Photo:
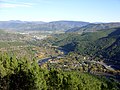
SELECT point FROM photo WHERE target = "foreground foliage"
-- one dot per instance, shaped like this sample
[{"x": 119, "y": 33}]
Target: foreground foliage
[{"x": 22, "y": 74}]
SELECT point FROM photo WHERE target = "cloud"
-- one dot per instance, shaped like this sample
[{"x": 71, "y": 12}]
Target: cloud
[
  {"x": 4, "y": 4},
  {"x": 3, "y": 0},
  {"x": 14, "y": 5}
]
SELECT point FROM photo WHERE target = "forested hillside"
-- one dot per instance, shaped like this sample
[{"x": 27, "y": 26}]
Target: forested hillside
[
  {"x": 23, "y": 74},
  {"x": 94, "y": 27},
  {"x": 103, "y": 43},
  {"x": 67, "y": 61}
]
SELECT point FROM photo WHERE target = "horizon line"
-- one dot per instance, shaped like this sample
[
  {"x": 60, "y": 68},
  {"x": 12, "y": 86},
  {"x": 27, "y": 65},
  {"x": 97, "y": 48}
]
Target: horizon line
[{"x": 61, "y": 20}]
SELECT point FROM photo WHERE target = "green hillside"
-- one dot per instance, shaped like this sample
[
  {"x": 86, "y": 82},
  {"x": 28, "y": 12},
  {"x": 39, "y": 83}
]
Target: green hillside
[
  {"x": 94, "y": 27},
  {"x": 103, "y": 43},
  {"x": 23, "y": 74},
  {"x": 27, "y": 63}
]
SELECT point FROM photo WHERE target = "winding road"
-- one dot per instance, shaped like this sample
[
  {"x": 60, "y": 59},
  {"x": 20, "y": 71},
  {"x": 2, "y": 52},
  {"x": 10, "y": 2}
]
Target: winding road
[{"x": 44, "y": 60}]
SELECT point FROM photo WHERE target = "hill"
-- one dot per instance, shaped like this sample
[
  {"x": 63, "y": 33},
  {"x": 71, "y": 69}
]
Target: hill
[
  {"x": 41, "y": 26},
  {"x": 104, "y": 44},
  {"x": 22, "y": 74},
  {"x": 94, "y": 27}
]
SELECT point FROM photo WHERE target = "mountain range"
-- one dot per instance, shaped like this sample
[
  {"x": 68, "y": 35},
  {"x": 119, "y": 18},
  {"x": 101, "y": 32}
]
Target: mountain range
[
  {"x": 64, "y": 26},
  {"x": 40, "y": 26},
  {"x": 94, "y": 27}
]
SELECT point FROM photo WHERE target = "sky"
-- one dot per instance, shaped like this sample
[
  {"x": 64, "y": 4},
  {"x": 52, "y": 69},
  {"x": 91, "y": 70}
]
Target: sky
[{"x": 54, "y": 10}]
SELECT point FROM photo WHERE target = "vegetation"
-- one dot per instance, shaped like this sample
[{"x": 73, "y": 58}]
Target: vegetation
[
  {"x": 21, "y": 73},
  {"x": 94, "y": 27},
  {"x": 93, "y": 44},
  {"x": 68, "y": 61}
]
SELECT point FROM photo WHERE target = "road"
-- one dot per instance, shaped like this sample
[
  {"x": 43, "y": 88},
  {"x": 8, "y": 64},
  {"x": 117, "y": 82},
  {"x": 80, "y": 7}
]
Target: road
[{"x": 44, "y": 60}]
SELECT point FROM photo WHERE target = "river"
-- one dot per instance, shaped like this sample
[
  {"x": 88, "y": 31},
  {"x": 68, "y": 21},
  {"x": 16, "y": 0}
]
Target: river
[{"x": 44, "y": 60}]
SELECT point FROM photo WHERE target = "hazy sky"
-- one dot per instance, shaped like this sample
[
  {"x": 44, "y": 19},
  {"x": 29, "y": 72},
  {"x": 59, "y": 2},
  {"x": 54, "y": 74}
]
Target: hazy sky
[{"x": 53, "y": 10}]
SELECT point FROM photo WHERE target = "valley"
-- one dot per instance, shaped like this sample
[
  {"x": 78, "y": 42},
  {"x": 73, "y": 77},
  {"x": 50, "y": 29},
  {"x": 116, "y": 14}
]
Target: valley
[{"x": 88, "y": 49}]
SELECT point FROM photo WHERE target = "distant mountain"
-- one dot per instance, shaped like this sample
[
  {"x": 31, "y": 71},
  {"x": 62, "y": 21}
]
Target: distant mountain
[
  {"x": 94, "y": 27},
  {"x": 50, "y": 26},
  {"x": 18, "y": 25},
  {"x": 21, "y": 22}
]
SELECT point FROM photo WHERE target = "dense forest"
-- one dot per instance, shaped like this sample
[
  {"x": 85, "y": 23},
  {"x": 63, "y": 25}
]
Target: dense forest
[
  {"x": 23, "y": 74},
  {"x": 103, "y": 43}
]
